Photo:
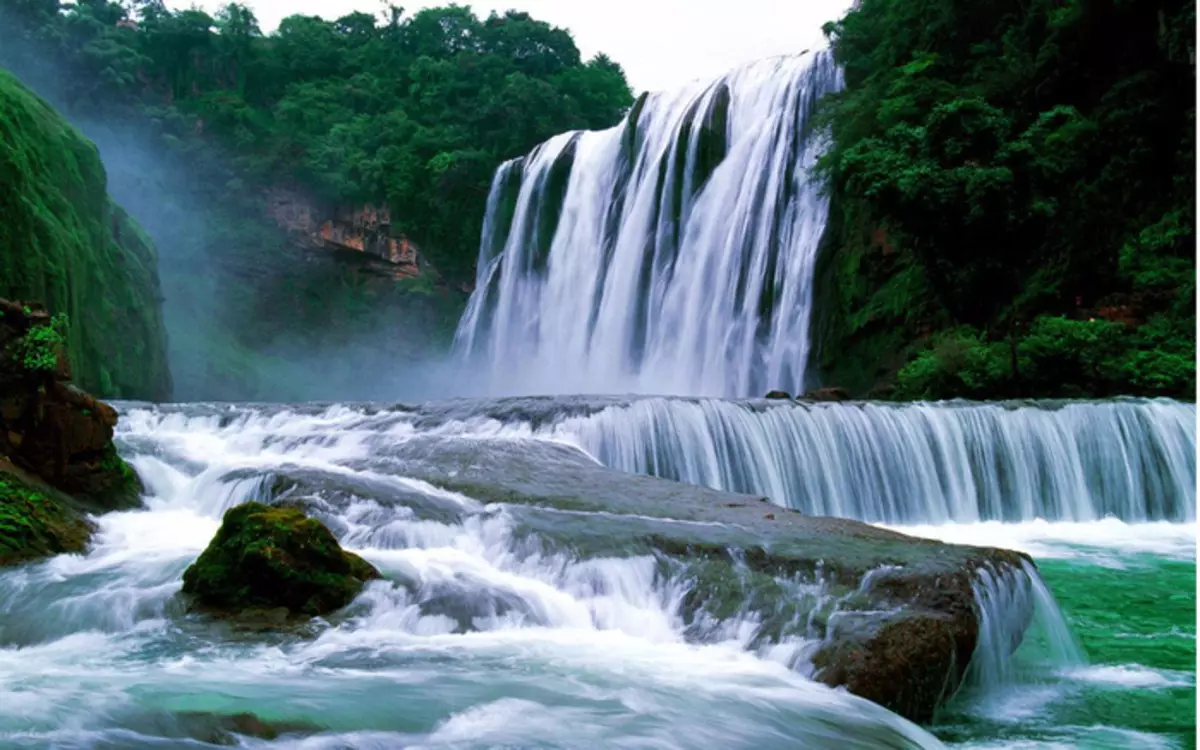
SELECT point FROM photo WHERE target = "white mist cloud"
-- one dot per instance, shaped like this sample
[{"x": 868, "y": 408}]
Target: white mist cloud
[{"x": 661, "y": 43}]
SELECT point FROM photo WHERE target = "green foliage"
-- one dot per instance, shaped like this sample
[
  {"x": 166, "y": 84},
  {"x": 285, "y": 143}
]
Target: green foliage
[
  {"x": 265, "y": 557},
  {"x": 415, "y": 111},
  {"x": 1056, "y": 358},
  {"x": 39, "y": 349},
  {"x": 63, "y": 243},
  {"x": 409, "y": 111},
  {"x": 33, "y": 524},
  {"x": 1028, "y": 163}
]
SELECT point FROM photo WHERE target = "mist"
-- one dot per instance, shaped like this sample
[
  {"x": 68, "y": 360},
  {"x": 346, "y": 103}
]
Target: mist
[{"x": 227, "y": 302}]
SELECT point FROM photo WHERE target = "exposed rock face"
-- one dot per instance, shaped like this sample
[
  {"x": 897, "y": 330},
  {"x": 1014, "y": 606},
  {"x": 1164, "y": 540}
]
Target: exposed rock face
[
  {"x": 897, "y": 621},
  {"x": 48, "y": 427},
  {"x": 270, "y": 557},
  {"x": 363, "y": 230}
]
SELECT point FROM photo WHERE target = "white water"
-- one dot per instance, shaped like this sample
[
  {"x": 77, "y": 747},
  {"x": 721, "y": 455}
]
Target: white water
[
  {"x": 915, "y": 463},
  {"x": 476, "y": 639},
  {"x": 1002, "y": 597},
  {"x": 627, "y": 262}
]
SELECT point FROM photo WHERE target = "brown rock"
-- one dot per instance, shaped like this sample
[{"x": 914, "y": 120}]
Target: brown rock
[
  {"x": 51, "y": 429},
  {"x": 783, "y": 395},
  {"x": 829, "y": 393}
]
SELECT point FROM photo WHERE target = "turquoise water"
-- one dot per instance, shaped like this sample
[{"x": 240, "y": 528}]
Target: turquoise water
[
  {"x": 560, "y": 652},
  {"x": 1128, "y": 593}
]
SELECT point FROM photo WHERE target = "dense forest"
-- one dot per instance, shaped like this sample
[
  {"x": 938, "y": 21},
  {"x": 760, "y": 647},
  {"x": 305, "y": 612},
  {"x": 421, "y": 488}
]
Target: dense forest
[
  {"x": 1012, "y": 183},
  {"x": 1013, "y": 188},
  {"x": 202, "y": 119}
]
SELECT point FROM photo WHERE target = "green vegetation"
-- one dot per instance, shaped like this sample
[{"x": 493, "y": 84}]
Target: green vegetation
[
  {"x": 63, "y": 243},
  {"x": 264, "y": 557},
  {"x": 207, "y": 120},
  {"x": 33, "y": 524},
  {"x": 39, "y": 349},
  {"x": 1012, "y": 200}
]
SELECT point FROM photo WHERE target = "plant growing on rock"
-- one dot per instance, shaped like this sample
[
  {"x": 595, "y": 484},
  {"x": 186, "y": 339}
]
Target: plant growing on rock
[{"x": 39, "y": 350}]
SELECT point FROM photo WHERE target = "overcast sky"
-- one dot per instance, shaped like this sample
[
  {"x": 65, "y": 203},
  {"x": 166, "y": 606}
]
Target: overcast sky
[{"x": 660, "y": 43}]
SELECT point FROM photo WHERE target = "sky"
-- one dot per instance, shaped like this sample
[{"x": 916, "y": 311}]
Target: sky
[{"x": 661, "y": 44}]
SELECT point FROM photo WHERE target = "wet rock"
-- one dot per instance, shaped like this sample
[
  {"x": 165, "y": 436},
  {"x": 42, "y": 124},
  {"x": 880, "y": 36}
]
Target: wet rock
[
  {"x": 830, "y": 393},
  {"x": 894, "y": 616},
  {"x": 224, "y": 729},
  {"x": 34, "y": 521},
  {"x": 780, "y": 395},
  {"x": 264, "y": 558}
]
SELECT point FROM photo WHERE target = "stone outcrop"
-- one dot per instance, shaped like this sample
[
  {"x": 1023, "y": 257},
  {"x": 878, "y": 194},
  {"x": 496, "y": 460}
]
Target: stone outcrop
[
  {"x": 57, "y": 459},
  {"x": 34, "y": 523},
  {"x": 265, "y": 558},
  {"x": 896, "y": 617},
  {"x": 48, "y": 427},
  {"x": 364, "y": 231}
]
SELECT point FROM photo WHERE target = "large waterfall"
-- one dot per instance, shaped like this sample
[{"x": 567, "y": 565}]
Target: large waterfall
[{"x": 671, "y": 254}]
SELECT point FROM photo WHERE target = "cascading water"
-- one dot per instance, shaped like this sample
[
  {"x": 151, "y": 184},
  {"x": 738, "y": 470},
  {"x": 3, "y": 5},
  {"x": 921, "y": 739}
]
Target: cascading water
[
  {"x": 480, "y": 638},
  {"x": 671, "y": 254},
  {"x": 482, "y": 635},
  {"x": 914, "y": 463}
]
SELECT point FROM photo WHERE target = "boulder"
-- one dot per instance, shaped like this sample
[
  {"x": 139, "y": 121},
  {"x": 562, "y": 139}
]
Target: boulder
[
  {"x": 894, "y": 617},
  {"x": 779, "y": 395},
  {"x": 265, "y": 558}
]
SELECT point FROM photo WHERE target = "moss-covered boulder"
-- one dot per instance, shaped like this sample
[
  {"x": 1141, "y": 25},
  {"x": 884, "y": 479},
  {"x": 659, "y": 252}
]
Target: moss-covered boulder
[
  {"x": 34, "y": 523},
  {"x": 63, "y": 242},
  {"x": 266, "y": 557}
]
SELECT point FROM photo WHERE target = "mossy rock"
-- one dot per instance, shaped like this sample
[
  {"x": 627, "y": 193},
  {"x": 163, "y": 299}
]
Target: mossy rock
[
  {"x": 266, "y": 557},
  {"x": 33, "y": 524}
]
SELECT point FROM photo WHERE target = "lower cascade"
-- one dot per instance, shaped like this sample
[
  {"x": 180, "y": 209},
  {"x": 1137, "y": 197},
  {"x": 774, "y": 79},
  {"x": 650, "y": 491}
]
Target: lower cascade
[
  {"x": 638, "y": 608},
  {"x": 915, "y": 463}
]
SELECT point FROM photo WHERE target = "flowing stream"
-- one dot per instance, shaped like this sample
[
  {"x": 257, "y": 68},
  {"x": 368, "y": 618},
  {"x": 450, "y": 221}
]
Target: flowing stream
[{"x": 556, "y": 651}]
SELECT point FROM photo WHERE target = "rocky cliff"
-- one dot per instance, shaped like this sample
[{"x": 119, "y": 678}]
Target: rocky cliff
[
  {"x": 362, "y": 233},
  {"x": 63, "y": 242},
  {"x": 57, "y": 459}
]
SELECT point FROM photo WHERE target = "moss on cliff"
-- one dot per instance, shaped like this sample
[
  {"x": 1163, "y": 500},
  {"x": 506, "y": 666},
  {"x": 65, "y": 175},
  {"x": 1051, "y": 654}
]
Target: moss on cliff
[
  {"x": 33, "y": 524},
  {"x": 63, "y": 242}
]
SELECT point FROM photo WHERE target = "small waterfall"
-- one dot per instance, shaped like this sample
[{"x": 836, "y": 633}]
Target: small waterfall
[
  {"x": 670, "y": 254},
  {"x": 1015, "y": 605},
  {"x": 915, "y": 463}
]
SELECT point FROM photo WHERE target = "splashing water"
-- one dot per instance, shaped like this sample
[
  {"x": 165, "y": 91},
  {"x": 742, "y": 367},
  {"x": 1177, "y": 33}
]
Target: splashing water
[{"x": 480, "y": 637}]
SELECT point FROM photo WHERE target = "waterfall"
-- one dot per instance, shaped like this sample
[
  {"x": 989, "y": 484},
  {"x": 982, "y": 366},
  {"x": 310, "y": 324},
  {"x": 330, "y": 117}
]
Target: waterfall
[
  {"x": 1008, "y": 601},
  {"x": 915, "y": 463},
  {"x": 670, "y": 254}
]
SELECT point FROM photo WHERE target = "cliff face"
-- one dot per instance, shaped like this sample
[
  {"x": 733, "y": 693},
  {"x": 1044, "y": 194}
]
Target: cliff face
[
  {"x": 57, "y": 458},
  {"x": 63, "y": 242},
  {"x": 348, "y": 230}
]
